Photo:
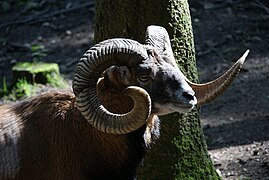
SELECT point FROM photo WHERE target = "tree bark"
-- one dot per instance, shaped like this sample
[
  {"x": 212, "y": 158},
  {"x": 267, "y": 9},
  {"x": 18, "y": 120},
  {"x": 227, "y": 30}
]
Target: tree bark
[{"x": 181, "y": 152}]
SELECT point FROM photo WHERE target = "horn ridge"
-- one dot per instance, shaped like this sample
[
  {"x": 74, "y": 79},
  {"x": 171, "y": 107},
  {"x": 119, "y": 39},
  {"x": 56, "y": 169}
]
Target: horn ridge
[{"x": 87, "y": 73}]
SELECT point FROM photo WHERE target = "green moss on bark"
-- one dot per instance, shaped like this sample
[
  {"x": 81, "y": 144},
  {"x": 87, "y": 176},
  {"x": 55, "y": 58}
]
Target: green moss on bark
[
  {"x": 193, "y": 161},
  {"x": 182, "y": 39}
]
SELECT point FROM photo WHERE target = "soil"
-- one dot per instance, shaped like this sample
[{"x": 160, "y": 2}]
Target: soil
[{"x": 236, "y": 125}]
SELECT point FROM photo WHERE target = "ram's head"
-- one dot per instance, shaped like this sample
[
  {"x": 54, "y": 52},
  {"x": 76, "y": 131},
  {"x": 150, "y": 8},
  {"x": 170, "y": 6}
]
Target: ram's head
[{"x": 146, "y": 73}]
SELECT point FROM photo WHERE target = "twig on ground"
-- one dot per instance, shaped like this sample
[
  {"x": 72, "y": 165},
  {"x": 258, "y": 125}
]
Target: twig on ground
[
  {"x": 262, "y": 6},
  {"x": 38, "y": 18}
]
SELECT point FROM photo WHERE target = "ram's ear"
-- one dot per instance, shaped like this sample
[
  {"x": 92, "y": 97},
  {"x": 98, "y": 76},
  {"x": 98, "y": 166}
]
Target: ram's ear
[
  {"x": 117, "y": 76},
  {"x": 125, "y": 75},
  {"x": 113, "y": 98}
]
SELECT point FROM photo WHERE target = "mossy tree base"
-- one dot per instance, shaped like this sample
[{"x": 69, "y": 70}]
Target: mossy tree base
[
  {"x": 29, "y": 77},
  {"x": 41, "y": 73}
]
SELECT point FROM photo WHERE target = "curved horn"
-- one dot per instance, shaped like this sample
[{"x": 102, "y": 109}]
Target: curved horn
[
  {"x": 88, "y": 71},
  {"x": 158, "y": 37},
  {"x": 209, "y": 91}
]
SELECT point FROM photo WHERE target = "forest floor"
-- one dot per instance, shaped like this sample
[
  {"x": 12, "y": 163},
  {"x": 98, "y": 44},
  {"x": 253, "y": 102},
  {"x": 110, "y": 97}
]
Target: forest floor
[{"x": 236, "y": 125}]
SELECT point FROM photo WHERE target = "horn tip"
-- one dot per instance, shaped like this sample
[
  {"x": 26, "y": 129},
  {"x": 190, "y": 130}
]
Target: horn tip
[{"x": 243, "y": 58}]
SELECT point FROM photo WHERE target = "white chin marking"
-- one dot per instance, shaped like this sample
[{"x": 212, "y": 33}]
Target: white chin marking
[{"x": 180, "y": 109}]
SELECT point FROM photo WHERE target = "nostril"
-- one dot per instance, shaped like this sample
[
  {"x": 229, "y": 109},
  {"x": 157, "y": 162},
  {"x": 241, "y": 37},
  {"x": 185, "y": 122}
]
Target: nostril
[{"x": 188, "y": 95}]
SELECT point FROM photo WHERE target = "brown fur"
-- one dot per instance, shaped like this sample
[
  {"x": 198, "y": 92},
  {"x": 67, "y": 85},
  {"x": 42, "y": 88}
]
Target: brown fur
[{"x": 56, "y": 142}]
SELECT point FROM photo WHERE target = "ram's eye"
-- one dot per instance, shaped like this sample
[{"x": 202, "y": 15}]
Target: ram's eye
[{"x": 143, "y": 78}]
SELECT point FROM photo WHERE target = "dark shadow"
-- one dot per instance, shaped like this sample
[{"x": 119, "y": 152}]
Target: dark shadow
[
  {"x": 240, "y": 115},
  {"x": 242, "y": 132}
]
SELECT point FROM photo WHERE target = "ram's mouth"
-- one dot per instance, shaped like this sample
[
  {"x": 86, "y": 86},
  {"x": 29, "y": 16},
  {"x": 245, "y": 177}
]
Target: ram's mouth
[
  {"x": 180, "y": 103},
  {"x": 181, "y": 108},
  {"x": 167, "y": 106},
  {"x": 184, "y": 103}
]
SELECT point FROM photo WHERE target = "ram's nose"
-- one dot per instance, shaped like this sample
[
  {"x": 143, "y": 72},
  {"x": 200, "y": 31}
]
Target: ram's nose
[{"x": 189, "y": 95}]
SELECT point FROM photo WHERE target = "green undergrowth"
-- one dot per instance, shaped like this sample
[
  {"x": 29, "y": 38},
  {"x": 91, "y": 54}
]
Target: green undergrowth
[
  {"x": 22, "y": 89},
  {"x": 30, "y": 79},
  {"x": 39, "y": 72}
]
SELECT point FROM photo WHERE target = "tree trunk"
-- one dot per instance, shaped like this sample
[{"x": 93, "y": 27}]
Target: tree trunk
[{"x": 181, "y": 152}]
